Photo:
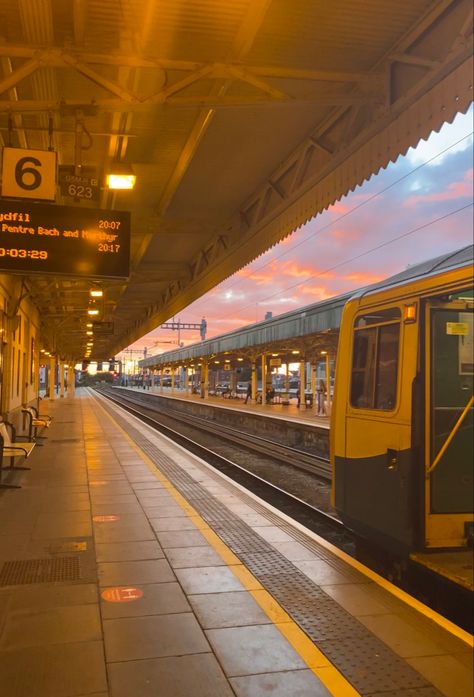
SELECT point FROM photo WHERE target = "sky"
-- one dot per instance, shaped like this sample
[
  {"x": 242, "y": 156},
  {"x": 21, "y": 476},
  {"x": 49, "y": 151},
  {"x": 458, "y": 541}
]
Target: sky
[{"x": 417, "y": 208}]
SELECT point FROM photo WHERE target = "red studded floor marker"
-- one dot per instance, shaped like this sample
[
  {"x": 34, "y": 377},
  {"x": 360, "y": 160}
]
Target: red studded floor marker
[
  {"x": 105, "y": 518},
  {"x": 122, "y": 595}
]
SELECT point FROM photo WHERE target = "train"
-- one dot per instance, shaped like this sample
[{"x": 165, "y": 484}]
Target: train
[{"x": 401, "y": 436}]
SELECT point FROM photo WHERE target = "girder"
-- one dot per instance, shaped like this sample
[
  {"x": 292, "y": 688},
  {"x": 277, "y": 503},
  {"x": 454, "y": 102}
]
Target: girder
[{"x": 317, "y": 101}]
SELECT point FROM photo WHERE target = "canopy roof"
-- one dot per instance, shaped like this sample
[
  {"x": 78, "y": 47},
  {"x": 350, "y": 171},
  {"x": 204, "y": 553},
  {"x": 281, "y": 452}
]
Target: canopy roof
[
  {"x": 242, "y": 119},
  {"x": 307, "y": 330}
]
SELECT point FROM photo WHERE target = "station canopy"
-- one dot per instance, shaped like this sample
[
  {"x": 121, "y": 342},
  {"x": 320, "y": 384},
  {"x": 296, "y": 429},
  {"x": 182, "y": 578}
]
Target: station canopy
[{"x": 241, "y": 119}]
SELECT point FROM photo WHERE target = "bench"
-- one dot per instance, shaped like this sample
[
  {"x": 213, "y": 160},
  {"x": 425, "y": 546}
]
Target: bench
[
  {"x": 35, "y": 422},
  {"x": 12, "y": 448}
]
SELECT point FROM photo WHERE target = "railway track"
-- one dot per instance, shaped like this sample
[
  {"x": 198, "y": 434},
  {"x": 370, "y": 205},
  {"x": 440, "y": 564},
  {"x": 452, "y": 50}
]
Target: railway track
[
  {"x": 299, "y": 459},
  {"x": 319, "y": 521}
]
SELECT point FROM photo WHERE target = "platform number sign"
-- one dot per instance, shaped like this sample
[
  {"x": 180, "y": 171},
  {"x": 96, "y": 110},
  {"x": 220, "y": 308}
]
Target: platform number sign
[{"x": 29, "y": 174}]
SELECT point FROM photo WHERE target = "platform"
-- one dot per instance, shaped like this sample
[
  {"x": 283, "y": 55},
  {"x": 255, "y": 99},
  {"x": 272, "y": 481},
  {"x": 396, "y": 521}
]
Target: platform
[
  {"x": 278, "y": 411},
  {"x": 129, "y": 568}
]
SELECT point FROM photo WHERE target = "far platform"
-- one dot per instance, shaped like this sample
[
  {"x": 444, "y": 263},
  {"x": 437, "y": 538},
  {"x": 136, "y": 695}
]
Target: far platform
[{"x": 292, "y": 412}]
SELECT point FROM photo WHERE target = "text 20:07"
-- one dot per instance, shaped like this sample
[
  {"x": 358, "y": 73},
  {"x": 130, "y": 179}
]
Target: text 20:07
[{"x": 109, "y": 224}]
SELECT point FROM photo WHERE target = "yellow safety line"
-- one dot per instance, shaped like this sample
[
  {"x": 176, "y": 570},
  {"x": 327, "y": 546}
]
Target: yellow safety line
[
  {"x": 316, "y": 661},
  {"x": 402, "y": 595}
]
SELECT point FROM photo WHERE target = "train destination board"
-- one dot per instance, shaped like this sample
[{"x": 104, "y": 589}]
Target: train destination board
[{"x": 49, "y": 239}]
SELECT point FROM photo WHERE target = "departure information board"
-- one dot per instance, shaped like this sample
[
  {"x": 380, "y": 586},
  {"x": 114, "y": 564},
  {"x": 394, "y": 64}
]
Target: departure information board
[{"x": 48, "y": 239}]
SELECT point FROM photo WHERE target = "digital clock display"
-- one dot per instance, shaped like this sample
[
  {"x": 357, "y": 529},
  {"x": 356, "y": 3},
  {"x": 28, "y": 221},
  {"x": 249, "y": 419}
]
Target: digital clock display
[{"x": 49, "y": 239}]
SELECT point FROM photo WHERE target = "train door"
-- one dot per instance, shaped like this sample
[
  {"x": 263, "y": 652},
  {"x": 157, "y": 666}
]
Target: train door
[
  {"x": 449, "y": 422},
  {"x": 374, "y": 489}
]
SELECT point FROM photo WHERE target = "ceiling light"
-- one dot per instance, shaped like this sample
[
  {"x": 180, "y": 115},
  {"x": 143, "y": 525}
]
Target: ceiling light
[
  {"x": 121, "y": 176},
  {"x": 295, "y": 353},
  {"x": 92, "y": 312},
  {"x": 89, "y": 333},
  {"x": 96, "y": 293},
  {"x": 89, "y": 324}
]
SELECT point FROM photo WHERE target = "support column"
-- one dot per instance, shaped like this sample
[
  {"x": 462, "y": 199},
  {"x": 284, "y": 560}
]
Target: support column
[
  {"x": 264, "y": 378},
  {"x": 328, "y": 385},
  {"x": 313, "y": 385},
  {"x": 186, "y": 381},
  {"x": 61, "y": 379},
  {"x": 173, "y": 370},
  {"x": 162, "y": 375},
  {"x": 204, "y": 380},
  {"x": 70, "y": 380},
  {"x": 52, "y": 377},
  {"x": 302, "y": 385},
  {"x": 254, "y": 379}
]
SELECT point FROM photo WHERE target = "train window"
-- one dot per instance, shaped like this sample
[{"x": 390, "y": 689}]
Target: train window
[
  {"x": 375, "y": 360},
  {"x": 378, "y": 317}
]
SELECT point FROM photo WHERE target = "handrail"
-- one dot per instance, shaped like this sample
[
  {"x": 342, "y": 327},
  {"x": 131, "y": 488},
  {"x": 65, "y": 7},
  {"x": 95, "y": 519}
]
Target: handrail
[{"x": 448, "y": 440}]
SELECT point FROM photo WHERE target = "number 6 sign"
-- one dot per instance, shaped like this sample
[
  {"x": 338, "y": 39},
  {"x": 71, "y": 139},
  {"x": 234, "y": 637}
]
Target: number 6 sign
[{"x": 29, "y": 174}]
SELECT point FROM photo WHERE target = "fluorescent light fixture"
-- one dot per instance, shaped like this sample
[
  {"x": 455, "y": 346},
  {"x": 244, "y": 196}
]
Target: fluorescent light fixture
[
  {"x": 96, "y": 293},
  {"x": 121, "y": 176},
  {"x": 92, "y": 312},
  {"x": 89, "y": 324},
  {"x": 90, "y": 333}
]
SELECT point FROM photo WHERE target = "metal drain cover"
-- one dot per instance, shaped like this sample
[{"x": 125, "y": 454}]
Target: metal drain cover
[{"x": 23, "y": 571}]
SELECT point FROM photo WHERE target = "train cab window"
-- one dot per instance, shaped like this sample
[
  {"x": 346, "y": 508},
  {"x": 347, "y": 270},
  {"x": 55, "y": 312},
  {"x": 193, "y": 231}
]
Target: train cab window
[{"x": 375, "y": 360}]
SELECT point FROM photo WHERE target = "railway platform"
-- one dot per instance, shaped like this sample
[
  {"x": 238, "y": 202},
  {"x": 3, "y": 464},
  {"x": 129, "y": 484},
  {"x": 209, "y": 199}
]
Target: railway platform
[
  {"x": 277, "y": 410},
  {"x": 130, "y": 568}
]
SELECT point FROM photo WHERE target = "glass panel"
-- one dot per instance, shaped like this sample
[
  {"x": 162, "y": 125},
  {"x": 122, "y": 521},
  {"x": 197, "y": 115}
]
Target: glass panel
[
  {"x": 363, "y": 368},
  {"x": 387, "y": 367},
  {"x": 378, "y": 317},
  {"x": 451, "y": 389}
]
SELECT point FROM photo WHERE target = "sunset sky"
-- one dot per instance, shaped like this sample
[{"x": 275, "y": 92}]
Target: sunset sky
[{"x": 417, "y": 208}]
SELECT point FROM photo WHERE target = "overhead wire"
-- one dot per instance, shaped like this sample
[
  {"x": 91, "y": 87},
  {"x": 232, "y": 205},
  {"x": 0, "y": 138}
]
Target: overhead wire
[
  {"x": 363, "y": 254},
  {"x": 355, "y": 208}
]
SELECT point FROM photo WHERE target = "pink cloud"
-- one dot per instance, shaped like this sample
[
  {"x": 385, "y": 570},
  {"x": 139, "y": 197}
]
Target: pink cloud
[
  {"x": 454, "y": 190},
  {"x": 364, "y": 278},
  {"x": 316, "y": 292}
]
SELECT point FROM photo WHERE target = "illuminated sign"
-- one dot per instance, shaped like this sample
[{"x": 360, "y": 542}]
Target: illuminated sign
[
  {"x": 103, "y": 327},
  {"x": 48, "y": 239},
  {"x": 29, "y": 174}
]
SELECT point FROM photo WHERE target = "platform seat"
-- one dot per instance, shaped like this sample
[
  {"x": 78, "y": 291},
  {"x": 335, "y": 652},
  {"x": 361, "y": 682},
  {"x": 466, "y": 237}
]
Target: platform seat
[
  {"x": 36, "y": 421},
  {"x": 12, "y": 448}
]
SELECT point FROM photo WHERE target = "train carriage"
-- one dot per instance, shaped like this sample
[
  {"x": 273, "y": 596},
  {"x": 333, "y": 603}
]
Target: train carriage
[{"x": 402, "y": 417}]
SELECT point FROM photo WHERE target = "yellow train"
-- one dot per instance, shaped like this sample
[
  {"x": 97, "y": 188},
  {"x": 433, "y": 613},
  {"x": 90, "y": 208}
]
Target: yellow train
[{"x": 402, "y": 417}]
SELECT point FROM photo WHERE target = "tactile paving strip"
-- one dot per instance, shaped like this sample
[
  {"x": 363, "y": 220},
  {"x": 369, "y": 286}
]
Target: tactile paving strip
[
  {"x": 369, "y": 664},
  {"x": 23, "y": 571}
]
